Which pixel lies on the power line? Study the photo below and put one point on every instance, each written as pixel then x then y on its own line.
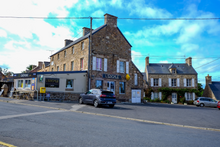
pixel 26 17
pixel 207 63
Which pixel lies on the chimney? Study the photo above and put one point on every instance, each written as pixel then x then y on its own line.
pixel 208 79
pixel 110 20
pixel 189 61
pixel 40 64
pixel 147 61
pixel 67 42
pixel 33 66
pixel 86 31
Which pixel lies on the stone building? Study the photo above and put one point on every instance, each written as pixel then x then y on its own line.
pixel 177 76
pixel 212 88
pixel 110 61
pixel 42 67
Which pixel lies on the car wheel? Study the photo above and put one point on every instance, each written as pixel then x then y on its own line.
pixel 96 104
pixel 111 106
pixel 80 101
pixel 202 105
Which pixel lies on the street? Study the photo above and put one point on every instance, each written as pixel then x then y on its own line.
pixel 47 124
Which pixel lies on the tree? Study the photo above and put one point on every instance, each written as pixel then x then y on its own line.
pixel 28 69
pixel 200 89
pixel 6 72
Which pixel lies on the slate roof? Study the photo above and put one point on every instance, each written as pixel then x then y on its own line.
pixel 172 66
pixel 86 36
pixel 46 63
pixel 215 87
pixel 163 68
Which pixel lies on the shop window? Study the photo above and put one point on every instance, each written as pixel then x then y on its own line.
pixel 27 84
pixel 69 83
pixel 173 82
pixel 57 68
pixel 156 83
pixel 20 83
pixel 81 63
pixel 188 82
pixel 73 50
pixel 122 67
pixel 121 87
pixel 72 65
pixel 99 64
pixel 98 84
pixel 64 67
pixel 82 45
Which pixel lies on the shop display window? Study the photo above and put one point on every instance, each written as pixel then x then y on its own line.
pixel 121 87
pixel 98 84
pixel 20 83
pixel 27 84
pixel 69 83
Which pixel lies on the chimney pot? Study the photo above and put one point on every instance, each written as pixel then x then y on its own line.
pixel 86 30
pixel 189 61
pixel 147 61
pixel 208 79
pixel 67 42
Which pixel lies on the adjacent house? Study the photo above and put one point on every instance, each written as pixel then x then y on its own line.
pixel 171 75
pixel 212 88
pixel 111 64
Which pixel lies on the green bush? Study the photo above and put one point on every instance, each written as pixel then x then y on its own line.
pixel 157 100
pixel 147 98
pixel 190 102
pixel 167 101
pixel 182 100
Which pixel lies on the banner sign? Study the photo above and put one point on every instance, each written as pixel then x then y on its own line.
pixel 108 76
pixel 25 75
pixel 52 82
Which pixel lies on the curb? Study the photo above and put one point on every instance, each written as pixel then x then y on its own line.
pixel 125 118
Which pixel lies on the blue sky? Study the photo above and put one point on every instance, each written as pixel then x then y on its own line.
pixel 27 41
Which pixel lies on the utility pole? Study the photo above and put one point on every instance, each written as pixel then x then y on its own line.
pixel 89 57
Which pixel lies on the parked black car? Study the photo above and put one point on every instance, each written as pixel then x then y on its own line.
pixel 98 97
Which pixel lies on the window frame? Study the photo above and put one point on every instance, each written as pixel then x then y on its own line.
pixel 73 50
pixel 156 79
pixel 120 71
pixel 81 63
pixel 58 56
pixel 64 54
pixel 173 82
pixel 64 67
pixel 98 64
pixel 27 87
pixel 188 82
pixel 58 68
pixel 72 65
pixel 120 91
pixel 22 84
pixel 82 45
pixel 101 86
pixel 156 93
pixel 72 82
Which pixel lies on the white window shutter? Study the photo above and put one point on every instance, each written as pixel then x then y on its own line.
pixel 94 63
pixel 184 81
pixel 193 82
pixel 194 96
pixel 105 64
pixel 135 79
pixel 178 82
pixel 152 95
pixel 160 82
pixel 117 66
pixel 169 82
pixel 160 95
pixel 152 82
pixel 186 95
pixel 127 67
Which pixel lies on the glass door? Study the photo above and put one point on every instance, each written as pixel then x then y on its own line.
pixel 111 86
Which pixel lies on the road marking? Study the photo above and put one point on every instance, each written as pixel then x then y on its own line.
pixel 76 107
pixel 29 114
pixel 6 144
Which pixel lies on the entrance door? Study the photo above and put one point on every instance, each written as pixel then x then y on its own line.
pixel 111 86
pixel 136 96
pixel 174 98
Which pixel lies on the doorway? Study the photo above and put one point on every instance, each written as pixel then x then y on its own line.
pixel 174 98
pixel 111 86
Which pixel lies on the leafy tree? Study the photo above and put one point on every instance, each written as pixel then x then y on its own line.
pixel 6 72
pixel 200 89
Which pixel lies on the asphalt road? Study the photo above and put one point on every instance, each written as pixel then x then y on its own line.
pixel 27 126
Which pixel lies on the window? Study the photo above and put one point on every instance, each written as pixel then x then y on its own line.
pixel 156 95
pixel 122 67
pixel 64 67
pixel 189 96
pixel 27 84
pixel 121 87
pixel 99 64
pixel 81 64
pixel 73 50
pixel 156 82
pixel 64 53
pixel 52 58
pixel 98 84
pixel 82 44
pixel 173 82
pixel 20 83
pixel 52 69
pixel 58 56
pixel 173 71
pixel 174 95
pixel 72 65
pixel 57 68
pixel 69 83
pixel 188 82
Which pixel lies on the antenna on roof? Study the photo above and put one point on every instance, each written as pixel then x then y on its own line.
pixel 51 51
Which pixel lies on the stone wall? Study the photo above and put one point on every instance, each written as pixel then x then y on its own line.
pixel 60 96
pixel 208 93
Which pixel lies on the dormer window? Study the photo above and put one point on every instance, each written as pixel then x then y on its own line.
pixel 173 71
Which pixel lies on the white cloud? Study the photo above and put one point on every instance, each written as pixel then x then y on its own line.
pixel 98 13
pixel 164 61
pixel 3 33
pixel 186 48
